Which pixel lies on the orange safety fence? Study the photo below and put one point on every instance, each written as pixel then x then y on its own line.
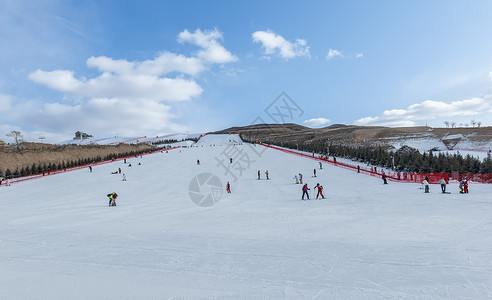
pixel 85 166
pixel 392 176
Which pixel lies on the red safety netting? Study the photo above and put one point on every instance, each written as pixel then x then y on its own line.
pixel 53 172
pixel 392 176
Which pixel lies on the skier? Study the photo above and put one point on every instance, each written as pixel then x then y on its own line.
pixel 384 178
pixel 90 169
pixel 123 178
pixel 320 191
pixel 300 178
pixel 119 170
pixel 465 187
pixel 297 179
pixel 198 162
pixel 314 173
pixel 426 185
pixel 358 169
pixel 461 187
pixel 305 190
pixel 112 199
pixel 258 174
pixel 266 173
pixel 228 187
pixel 230 160
pixel 320 165
pixel 443 185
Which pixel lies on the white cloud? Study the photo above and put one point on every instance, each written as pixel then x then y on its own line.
pixel 332 53
pixel 126 85
pixel 127 96
pixel 212 51
pixel 316 122
pixel 429 110
pixel 274 43
pixel 359 55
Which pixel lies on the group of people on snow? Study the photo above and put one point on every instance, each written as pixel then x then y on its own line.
pixel 462 187
pixel 266 175
pixel 305 190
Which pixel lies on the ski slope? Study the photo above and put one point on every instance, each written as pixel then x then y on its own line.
pixel 60 240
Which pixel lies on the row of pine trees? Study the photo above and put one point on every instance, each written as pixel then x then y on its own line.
pixel 405 159
pixel 45 167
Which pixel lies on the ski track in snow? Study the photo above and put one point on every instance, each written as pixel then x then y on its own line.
pixel 60 240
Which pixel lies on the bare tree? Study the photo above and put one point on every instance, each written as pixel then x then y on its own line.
pixel 446 123
pixel 17 136
pixel 473 122
pixel 453 124
pixel 479 124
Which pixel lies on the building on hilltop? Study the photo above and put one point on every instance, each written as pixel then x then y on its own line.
pixel 79 135
pixel 3 145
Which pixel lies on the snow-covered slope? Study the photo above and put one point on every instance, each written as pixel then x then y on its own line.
pixel 60 240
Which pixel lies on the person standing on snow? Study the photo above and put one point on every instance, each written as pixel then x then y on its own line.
pixel 297 179
pixel 259 174
pixel 443 185
pixel 119 170
pixel 314 172
pixel 198 162
pixel 465 185
pixel 426 185
pixel 230 160
pixel 112 199
pixel 123 178
pixel 300 178
pixel 305 190
pixel 384 178
pixel 266 173
pixel 320 165
pixel 228 187
pixel 320 191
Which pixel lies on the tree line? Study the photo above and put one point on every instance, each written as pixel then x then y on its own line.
pixel 405 159
pixel 41 167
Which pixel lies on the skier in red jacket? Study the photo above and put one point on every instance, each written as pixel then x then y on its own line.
pixel 228 187
pixel 320 191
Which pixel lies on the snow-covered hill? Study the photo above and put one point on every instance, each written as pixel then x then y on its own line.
pixel 60 240
pixel 114 140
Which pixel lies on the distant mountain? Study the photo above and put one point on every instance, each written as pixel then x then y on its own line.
pixel 422 138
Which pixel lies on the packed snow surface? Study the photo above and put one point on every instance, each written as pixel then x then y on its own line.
pixel 60 240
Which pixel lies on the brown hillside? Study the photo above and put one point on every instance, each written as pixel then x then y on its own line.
pixel 357 135
pixel 38 153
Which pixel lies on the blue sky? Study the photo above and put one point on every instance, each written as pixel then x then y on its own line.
pixel 135 68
